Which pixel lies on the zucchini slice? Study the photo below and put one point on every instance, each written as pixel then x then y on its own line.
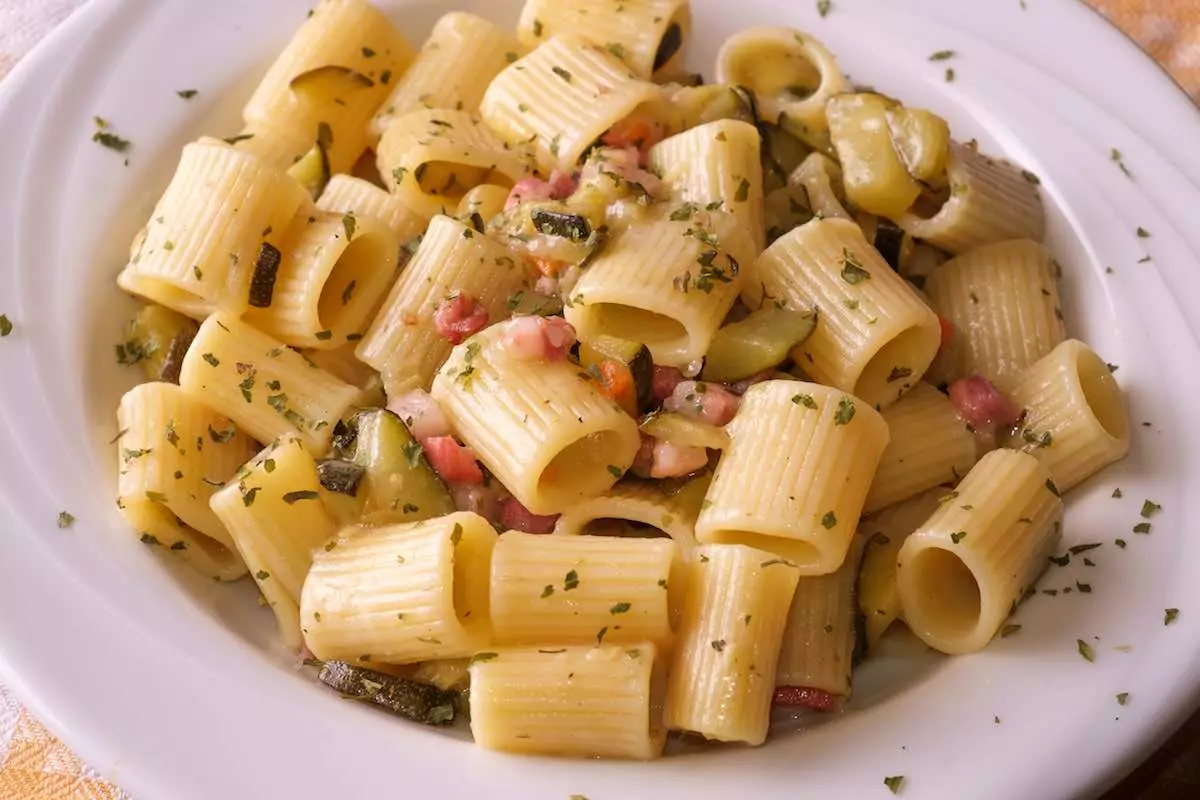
pixel 759 342
pixel 266 267
pixel 672 40
pixel 312 170
pixel 419 702
pixel 558 223
pixel 634 355
pixel 340 476
pixel 682 430
pixel 401 486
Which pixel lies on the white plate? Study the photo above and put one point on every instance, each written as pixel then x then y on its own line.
pixel 173 688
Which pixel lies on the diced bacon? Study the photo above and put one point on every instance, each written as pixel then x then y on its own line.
pixel 623 163
pixel 672 460
pixel 516 517
pixel 741 386
pixel 539 338
pixel 643 462
pixel 477 498
pixel 664 382
pixel 707 402
pixel 459 316
pixel 947 330
pixel 804 697
pixel 454 462
pixel 420 413
pixel 546 285
pixel 560 186
pixel 981 405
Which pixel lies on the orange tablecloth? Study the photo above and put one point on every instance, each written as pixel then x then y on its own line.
pixel 36 766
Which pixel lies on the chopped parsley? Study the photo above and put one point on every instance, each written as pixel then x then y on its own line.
pixel 350 224
pixel 483 657
pixel 894 782
pixel 1142 233
pixel 1116 159
pixel 6 326
pixel 958 536
pixel 547 590
pixel 845 412
pixel 262 575
pixel 456 534
pixel 1142 527
pixel 829 520
pixel 1031 177
pixel 241 137
pixel 65 520
pixel 718 645
pixel 898 374
pixel 562 73
pixel 743 192
pixel 1085 650
pixel 412 451
pixel 187 94
pixel 1123 698
pixel 620 608
pixel 615 471
pixel 852 269
pixel 823 8
pixel 1170 615
pixel 368 52
pixel 249 495
pixel 1053 487
pixel 108 139
pixel 600 634
pixel 1150 508
pixel 942 55
pixel 805 400
pixel 571 581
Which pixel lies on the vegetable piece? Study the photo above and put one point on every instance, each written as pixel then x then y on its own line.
pixel 266 267
pixel 616 382
pixel 922 140
pixel 875 178
pixel 634 356
pixel 557 223
pixel 667 426
pixel 398 478
pixel 340 476
pixel 893 243
pixel 420 702
pixel 312 170
pixel 157 338
pixel 760 341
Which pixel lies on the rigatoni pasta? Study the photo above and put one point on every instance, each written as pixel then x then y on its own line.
pixel 667 509
pixel 348 195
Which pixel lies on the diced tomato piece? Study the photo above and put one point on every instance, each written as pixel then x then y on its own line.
pixel 454 462
pixel 664 382
pixel 459 316
pixel 981 405
pixel 516 517
pixel 707 402
pixel 804 697
pixel 616 382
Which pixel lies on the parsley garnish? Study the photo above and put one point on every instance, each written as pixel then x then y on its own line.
pixel 958 536
pixel 1116 158
pixel 899 374
pixel 65 520
pixel 350 224
pixel 845 412
pixel 852 270
pixel 620 608
pixel 823 7
pixel 805 400
pixel 187 94
pixel 718 645
pixel 211 359
pixel 456 534
pixel 412 451
pixel 241 137
pixel 571 581
pixel 111 141
pixel 1123 698
pixel 1142 527
pixel 6 326
pixel 482 657
pixel 262 575
pixel 743 192
pixel 368 52
pixel 894 782
pixel 600 635
pixel 1053 487
pixel 562 73
pixel 1142 233
pixel 547 591
pixel 942 55
pixel 615 471
pixel 1085 650
pixel 1150 508
pixel 829 520
pixel 1170 615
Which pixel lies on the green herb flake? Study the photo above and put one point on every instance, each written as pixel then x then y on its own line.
pixel 620 608
pixel 845 412
pixel 412 451
pixel 187 94
pixel 537 27
pixel 1150 508
pixel 65 520
pixel 1170 615
pixel 1031 177
pixel 829 521
pixel 456 534
pixel 562 73
pixel 718 645
pixel 852 269
pixel 805 400
pixel 480 658
pixel 949 75
pixel 571 581
pixel 212 360
pixel 6 326
pixel 743 192
pixel 1053 487
pixel 1142 233
pixel 368 52
pixel 241 137
pixel 600 634
pixel 1123 698
pixel 1120 543
pixel 350 224
pixel 894 783
pixel 249 495
pixel 899 374
pixel 824 7
pixel 150 539
pixel 958 536
pixel 942 55
pixel 262 575
pixel 1116 159
pixel 111 141
pixel 547 590
pixel 1142 527
pixel 1085 650
pixel 291 498
pixel 269 465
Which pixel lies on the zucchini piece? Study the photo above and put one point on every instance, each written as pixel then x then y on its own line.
pixel 312 170
pixel 922 140
pixel 760 341
pixel 672 40
pixel 157 338
pixel 685 431
pixel 400 484
pixel 419 702
pixel 340 476
pixel 266 268
pixel 345 434
pixel 893 243
pixel 875 177
pixel 634 355
pixel 448 674
pixel 534 304
pixel 557 223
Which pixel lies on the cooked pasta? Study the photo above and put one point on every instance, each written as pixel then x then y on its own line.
pixel 722 673
pixel 532 366
pixel 399 594
pixel 1073 415
pixel 962 573
pixel 875 337
pixel 796 473
pixel 1002 301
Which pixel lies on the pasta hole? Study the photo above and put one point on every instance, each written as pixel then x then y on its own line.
pixel 946 599
pixel 776 69
pixel 628 528
pixel 345 300
pixel 803 554
pixel 898 365
pixel 452 181
pixel 638 325
pixel 582 467
pixel 1102 393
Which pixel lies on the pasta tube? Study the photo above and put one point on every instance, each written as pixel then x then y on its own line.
pixel 400 594
pixel 795 476
pixel 965 569
pixel 347 195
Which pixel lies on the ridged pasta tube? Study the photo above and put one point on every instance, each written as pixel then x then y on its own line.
pixel 334 72
pixel 875 337
pixel 334 271
pixel 430 159
pixel 668 283
pixel 561 98
pixel 885 533
pixel 929 446
pixel 273 511
pixel 173 451
pixel 403 342
pixel 198 250
pixel 818 174
pixel 487 200
pixel 716 164
pixel 1002 300
pixel 267 389
pixel 541 427
pixel 791 74
pixel 453 69
pixel 1074 418
pixel 819 641
pixel 723 669
pixel 795 476
pixel 598 702
pixel 348 195
pixel 156 527
pixel 990 201
pixel 584 589
pixel 671 510
pixel 400 594
pixel 962 573
pixel 647 35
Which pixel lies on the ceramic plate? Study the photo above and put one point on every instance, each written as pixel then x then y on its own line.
pixel 172 686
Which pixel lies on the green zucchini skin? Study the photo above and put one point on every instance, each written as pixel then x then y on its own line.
pixel 266 268
pixel 338 475
pixel 419 702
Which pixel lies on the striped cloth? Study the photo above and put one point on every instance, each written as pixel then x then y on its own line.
pixel 36 766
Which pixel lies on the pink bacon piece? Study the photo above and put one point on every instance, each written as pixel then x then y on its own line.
pixel 538 338
pixel 707 402
pixel 664 382
pixel 421 413
pixel 560 186
pixel 516 517
pixel 670 460
pixel 454 462
pixel 981 405
pixel 459 316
